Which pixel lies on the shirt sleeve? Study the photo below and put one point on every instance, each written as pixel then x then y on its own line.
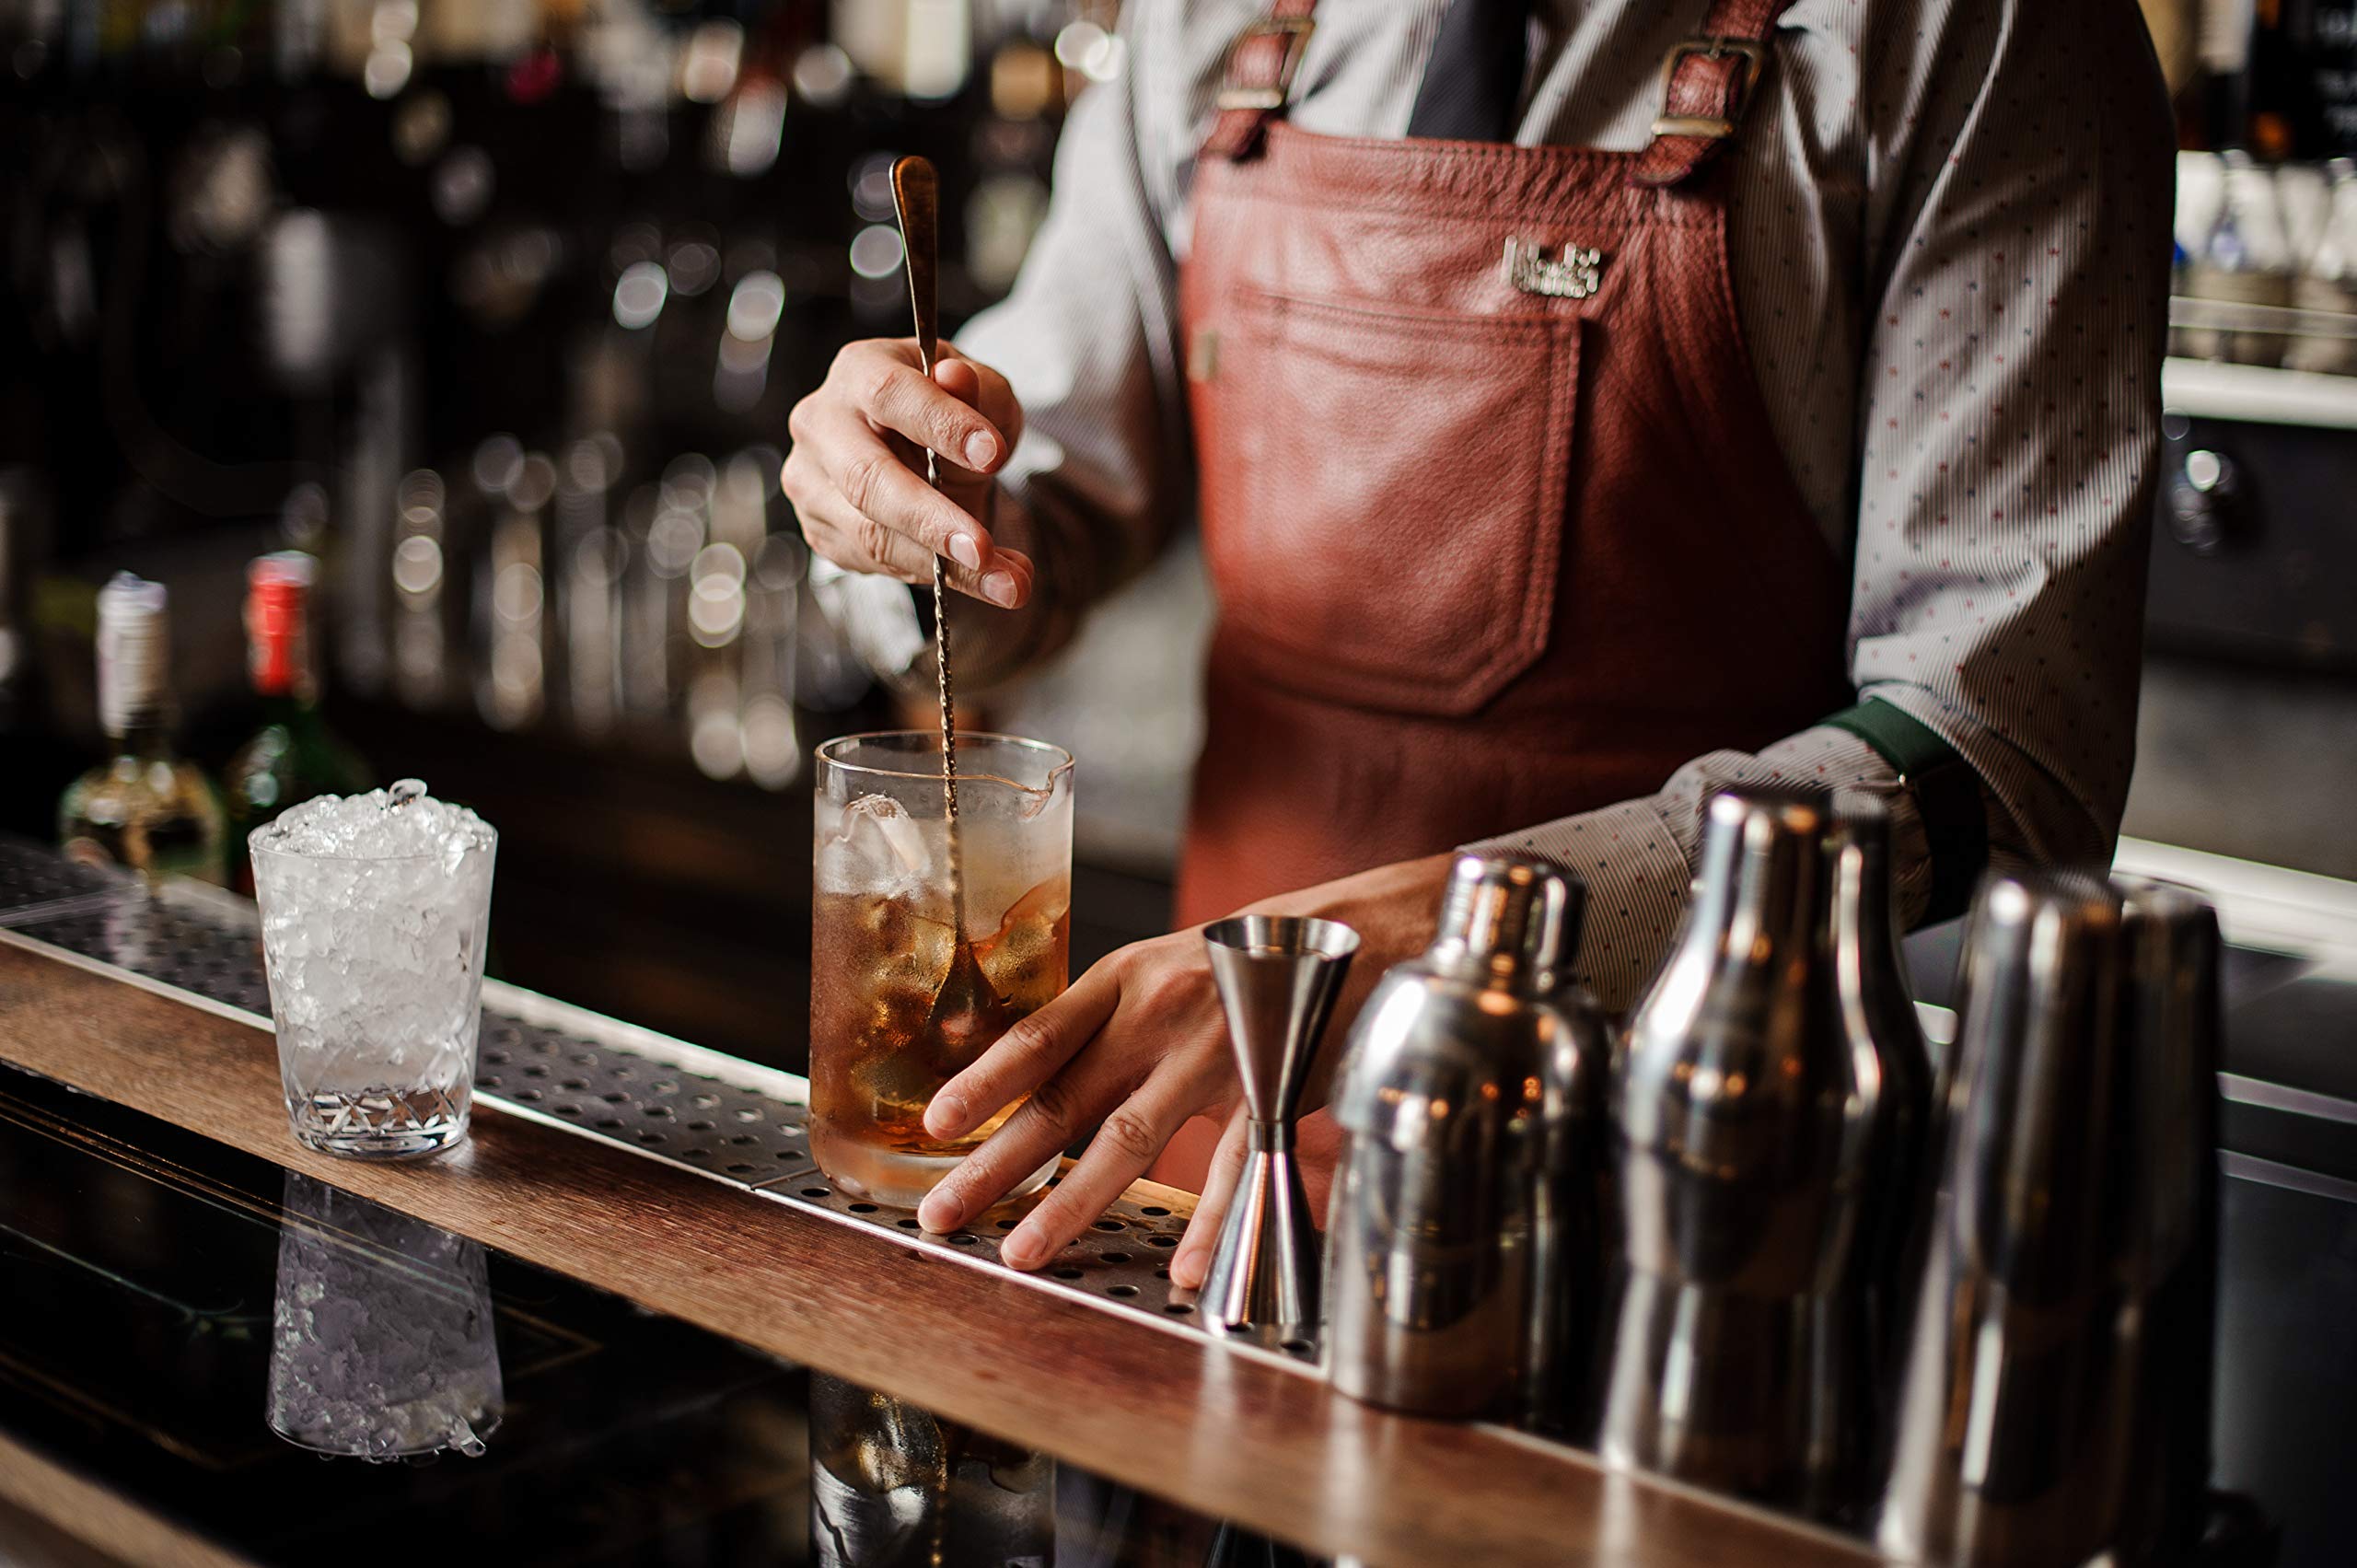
pixel 2018 168
pixel 1089 341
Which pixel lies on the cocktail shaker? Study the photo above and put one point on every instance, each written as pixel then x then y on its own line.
pixel 1567 1230
pixel 2175 955
pixel 2055 1400
pixel 1877 1016
pixel 1460 1247
pixel 1744 1128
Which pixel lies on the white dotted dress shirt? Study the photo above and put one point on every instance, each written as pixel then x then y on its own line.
pixel 1950 235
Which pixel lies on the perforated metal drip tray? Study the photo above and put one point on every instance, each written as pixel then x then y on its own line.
pixel 760 1140
pixel 731 1120
pixel 40 882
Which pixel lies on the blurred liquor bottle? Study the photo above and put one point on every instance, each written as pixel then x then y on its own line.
pixel 294 756
pixel 2305 57
pixel 2219 110
pixel 24 542
pixel 2278 79
pixel 146 810
pixel 2286 117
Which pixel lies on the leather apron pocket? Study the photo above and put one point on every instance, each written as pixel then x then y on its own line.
pixel 1385 492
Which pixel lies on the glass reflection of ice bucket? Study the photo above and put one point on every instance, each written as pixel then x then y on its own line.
pixel 381 1341
pixel 884 933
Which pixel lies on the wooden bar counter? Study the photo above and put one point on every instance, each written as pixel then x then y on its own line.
pixel 1150 1402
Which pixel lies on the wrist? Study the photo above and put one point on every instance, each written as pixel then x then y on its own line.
pixel 1394 909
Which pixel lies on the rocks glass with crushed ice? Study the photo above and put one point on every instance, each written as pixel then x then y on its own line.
pixel 373 914
pixel 883 937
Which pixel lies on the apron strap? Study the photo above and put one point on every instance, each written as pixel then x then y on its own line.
pixel 1261 64
pixel 1707 84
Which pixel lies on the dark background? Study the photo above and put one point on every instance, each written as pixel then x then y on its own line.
pixel 251 280
pixel 173 368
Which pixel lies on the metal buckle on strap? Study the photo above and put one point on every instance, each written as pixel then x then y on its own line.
pixel 1295 31
pixel 1754 57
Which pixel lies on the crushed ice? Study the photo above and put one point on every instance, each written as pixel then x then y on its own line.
pixel 382 824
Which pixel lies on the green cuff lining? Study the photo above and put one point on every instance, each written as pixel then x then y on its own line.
pixel 1948 793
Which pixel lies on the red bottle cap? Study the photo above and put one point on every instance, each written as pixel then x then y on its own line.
pixel 278 588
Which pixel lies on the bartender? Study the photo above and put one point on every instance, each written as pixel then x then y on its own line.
pixel 1586 404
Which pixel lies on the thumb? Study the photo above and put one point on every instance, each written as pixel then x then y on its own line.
pixel 972 382
pixel 958 377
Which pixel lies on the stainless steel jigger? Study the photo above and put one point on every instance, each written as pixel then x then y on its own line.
pixel 1277 980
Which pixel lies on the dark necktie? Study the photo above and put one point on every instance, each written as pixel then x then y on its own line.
pixel 1472 85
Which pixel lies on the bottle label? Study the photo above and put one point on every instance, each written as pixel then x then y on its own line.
pixel 134 639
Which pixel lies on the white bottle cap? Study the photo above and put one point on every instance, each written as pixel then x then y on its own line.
pixel 134 638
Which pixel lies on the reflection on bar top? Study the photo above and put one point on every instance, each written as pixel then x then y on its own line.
pixel 172 1301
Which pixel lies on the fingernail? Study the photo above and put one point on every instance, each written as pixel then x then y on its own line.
pixel 980 451
pixel 938 1214
pixel 999 588
pixel 963 552
pixel 1186 1270
pixel 1022 1249
pixel 946 1117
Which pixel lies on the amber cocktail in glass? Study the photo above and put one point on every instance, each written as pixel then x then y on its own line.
pixel 884 936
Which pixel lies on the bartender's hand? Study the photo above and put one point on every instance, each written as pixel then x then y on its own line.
pixel 856 470
pixel 1139 1044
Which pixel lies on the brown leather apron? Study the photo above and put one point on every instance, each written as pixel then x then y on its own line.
pixel 1497 523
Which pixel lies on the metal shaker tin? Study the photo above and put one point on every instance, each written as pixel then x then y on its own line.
pixel 2054 1407
pixel 1743 1128
pixel 1466 1070
pixel 1876 1009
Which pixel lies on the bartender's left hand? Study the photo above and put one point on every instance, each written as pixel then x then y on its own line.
pixel 1138 1045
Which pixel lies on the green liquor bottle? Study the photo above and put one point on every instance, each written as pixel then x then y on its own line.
pixel 294 756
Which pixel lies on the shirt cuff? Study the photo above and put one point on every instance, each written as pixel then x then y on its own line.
pixel 1638 856
pixel 1637 878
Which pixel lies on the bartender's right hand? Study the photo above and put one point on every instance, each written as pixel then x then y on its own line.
pixel 855 473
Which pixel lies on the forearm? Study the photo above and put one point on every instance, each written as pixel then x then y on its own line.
pixel 1638 856
pixel 2007 425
